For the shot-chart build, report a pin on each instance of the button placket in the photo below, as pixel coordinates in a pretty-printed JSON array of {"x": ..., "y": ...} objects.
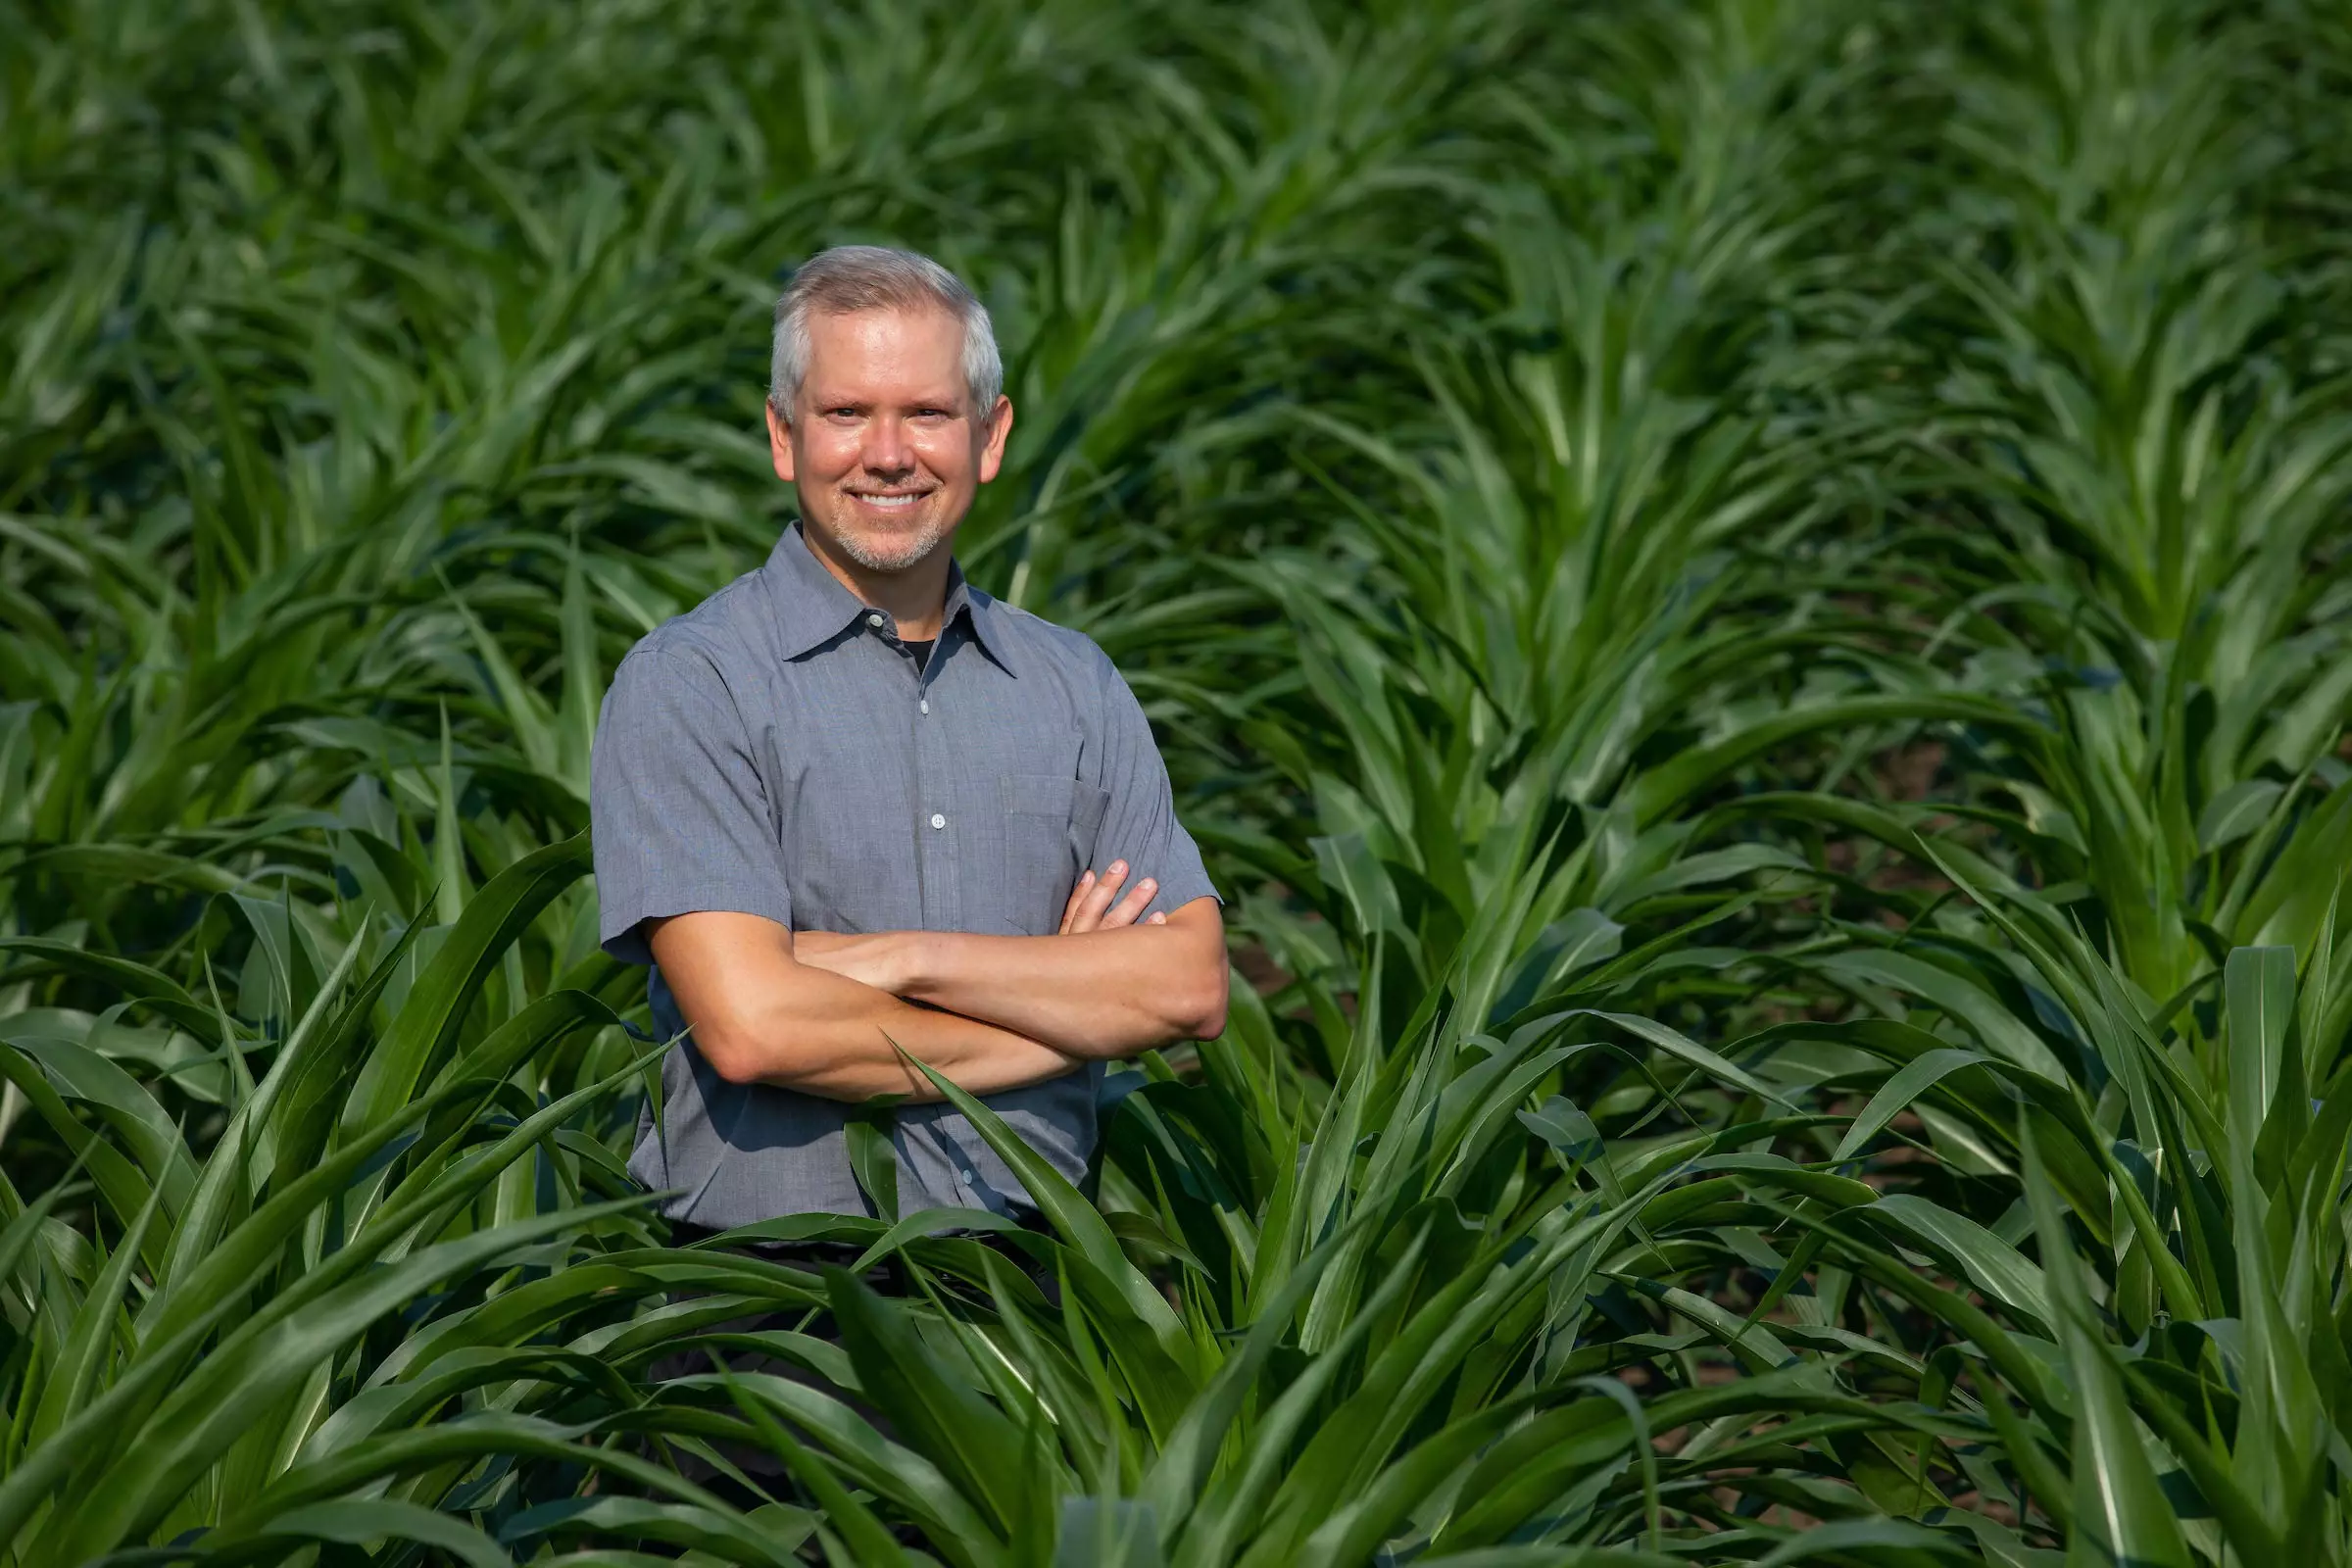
[{"x": 942, "y": 897}]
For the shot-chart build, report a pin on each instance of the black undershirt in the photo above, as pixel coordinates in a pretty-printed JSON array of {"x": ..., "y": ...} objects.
[{"x": 921, "y": 651}]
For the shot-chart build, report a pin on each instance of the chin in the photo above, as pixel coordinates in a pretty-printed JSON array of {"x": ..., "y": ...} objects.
[{"x": 890, "y": 549}]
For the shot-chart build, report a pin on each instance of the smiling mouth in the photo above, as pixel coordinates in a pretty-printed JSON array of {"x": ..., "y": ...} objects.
[{"x": 893, "y": 502}]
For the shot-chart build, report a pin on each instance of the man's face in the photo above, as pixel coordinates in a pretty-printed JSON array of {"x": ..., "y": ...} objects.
[{"x": 883, "y": 443}]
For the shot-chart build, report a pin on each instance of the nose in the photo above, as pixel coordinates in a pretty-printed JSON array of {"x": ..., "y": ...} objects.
[{"x": 888, "y": 453}]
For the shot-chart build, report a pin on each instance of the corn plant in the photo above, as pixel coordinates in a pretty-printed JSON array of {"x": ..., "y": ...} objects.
[{"x": 1748, "y": 600}]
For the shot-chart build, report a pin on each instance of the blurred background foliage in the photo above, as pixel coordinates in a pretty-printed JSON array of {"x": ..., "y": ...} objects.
[{"x": 1750, "y": 599}]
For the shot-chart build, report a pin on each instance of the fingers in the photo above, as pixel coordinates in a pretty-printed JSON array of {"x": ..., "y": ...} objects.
[
  {"x": 1131, "y": 908},
  {"x": 1077, "y": 897},
  {"x": 1093, "y": 896},
  {"x": 1091, "y": 909}
]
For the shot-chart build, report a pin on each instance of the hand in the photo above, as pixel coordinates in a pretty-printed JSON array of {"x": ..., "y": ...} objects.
[{"x": 1090, "y": 907}]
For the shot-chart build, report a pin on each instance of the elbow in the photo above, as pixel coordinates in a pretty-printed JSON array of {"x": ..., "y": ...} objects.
[
  {"x": 731, "y": 1051},
  {"x": 1202, "y": 1013},
  {"x": 736, "y": 1051}
]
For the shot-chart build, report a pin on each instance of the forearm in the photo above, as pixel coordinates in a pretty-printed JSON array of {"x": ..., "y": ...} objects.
[
  {"x": 1095, "y": 994},
  {"x": 759, "y": 1016},
  {"x": 833, "y": 1038}
]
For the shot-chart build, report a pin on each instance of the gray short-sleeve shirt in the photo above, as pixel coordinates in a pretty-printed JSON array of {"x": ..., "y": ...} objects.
[{"x": 777, "y": 751}]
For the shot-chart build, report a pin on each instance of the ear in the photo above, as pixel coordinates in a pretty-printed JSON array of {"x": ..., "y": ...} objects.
[
  {"x": 997, "y": 428},
  {"x": 779, "y": 442}
]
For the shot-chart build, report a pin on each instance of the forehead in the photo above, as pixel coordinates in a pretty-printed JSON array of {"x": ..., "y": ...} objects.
[{"x": 917, "y": 350}]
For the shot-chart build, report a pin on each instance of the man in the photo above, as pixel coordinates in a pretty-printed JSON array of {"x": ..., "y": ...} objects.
[{"x": 849, "y": 803}]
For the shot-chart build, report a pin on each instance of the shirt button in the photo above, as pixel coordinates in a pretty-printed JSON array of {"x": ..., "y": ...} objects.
[
  {"x": 924, "y": 705},
  {"x": 965, "y": 1177},
  {"x": 938, "y": 820},
  {"x": 873, "y": 621}
]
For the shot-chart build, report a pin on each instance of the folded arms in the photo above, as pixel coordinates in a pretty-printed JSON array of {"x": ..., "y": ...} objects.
[{"x": 825, "y": 1013}]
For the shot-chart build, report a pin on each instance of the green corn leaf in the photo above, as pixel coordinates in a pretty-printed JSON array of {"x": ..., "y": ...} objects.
[
  {"x": 874, "y": 1159},
  {"x": 1992, "y": 1264},
  {"x": 170, "y": 1335},
  {"x": 2235, "y": 812},
  {"x": 935, "y": 1413},
  {"x": 768, "y": 1536},
  {"x": 1106, "y": 1532},
  {"x": 1909, "y": 1082},
  {"x": 2258, "y": 989},
  {"x": 436, "y": 1005},
  {"x": 23, "y": 1232},
  {"x": 1071, "y": 1214},
  {"x": 150, "y": 987},
  {"x": 90, "y": 1341},
  {"x": 225, "y": 1167},
  {"x": 2119, "y": 1513},
  {"x": 481, "y": 1435},
  {"x": 119, "y": 1180},
  {"x": 1208, "y": 1535},
  {"x": 871, "y": 1542},
  {"x": 257, "y": 1368},
  {"x": 363, "y": 1521}
]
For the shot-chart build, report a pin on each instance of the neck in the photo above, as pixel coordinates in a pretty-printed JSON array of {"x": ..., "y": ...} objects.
[{"x": 914, "y": 599}]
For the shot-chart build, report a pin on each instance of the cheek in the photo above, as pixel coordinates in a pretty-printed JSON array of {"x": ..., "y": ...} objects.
[
  {"x": 948, "y": 459},
  {"x": 827, "y": 455},
  {"x": 836, "y": 455}
]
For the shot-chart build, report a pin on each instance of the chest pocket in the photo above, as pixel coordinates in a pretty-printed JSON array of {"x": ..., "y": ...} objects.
[{"x": 1050, "y": 824}]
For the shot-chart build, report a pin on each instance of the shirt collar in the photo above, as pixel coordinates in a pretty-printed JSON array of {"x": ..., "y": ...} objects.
[{"x": 813, "y": 608}]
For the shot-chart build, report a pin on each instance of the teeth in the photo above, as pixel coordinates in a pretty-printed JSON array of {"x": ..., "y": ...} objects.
[{"x": 889, "y": 501}]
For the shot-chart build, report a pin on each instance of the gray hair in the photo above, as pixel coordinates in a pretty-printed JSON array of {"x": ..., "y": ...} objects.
[{"x": 873, "y": 277}]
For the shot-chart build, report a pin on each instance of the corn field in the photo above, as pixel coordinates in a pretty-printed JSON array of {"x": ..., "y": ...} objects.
[{"x": 1751, "y": 601}]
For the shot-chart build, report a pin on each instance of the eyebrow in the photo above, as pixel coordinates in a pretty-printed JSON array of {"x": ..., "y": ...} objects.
[{"x": 948, "y": 405}]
